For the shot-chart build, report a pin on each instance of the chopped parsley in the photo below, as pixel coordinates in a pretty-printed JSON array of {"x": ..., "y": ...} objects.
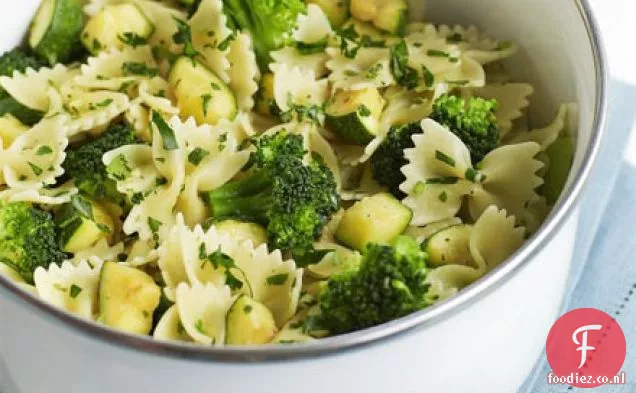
[
  {"x": 74, "y": 291},
  {"x": 436, "y": 53},
  {"x": 219, "y": 259},
  {"x": 248, "y": 308},
  {"x": 419, "y": 188},
  {"x": 132, "y": 39},
  {"x": 197, "y": 155},
  {"x": 454, "y": 38},
  {"x": 351, "y": 42},
  {"x": 404, "y": 74},
  {"x": 442, "y": 180},
  {"x": 429, "y": 78},
  {"x": 443, "y": 196},
  {"x": 167, "y": 133},
  {"x": 141, "y": 69},
  {"x": 44, "y": 150},
  {"x": 154, "y": 224},
  {"x": 474, "y": 176},
  {"x": 198, "y": 325},
  {"x": 183, "y": 36},
  {"x": 223, "y": 45},
  {"x": 101, "y": 104},
  {"x": 364, "y": 111},
  {"x": 82, "y": 206},
  {"x": 205, "y": 100},
  {"x": 36, "y": 169},
  {"x": 444, "y": 158},
  {"x": 310, "y": 48},
  {"x": 277, "y": 279},
  {"x": 118, "y": 168}
]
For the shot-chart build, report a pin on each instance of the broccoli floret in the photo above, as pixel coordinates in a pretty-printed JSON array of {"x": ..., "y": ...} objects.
[
  {"x": 293, "y": 200},
  {"x": 387, "y": 161},
  {"x": 27, "y": 239},
  {"x": 472, "y": 120},
  {"x": 269, "y": 21},
  {"x": 11, "y": 61},
  {"x": 84, "y": 163},
  {"x": 388, "y": 284}
]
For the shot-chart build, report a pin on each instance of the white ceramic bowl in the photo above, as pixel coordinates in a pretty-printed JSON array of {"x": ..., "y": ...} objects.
[{"x": 486, "y": 339}]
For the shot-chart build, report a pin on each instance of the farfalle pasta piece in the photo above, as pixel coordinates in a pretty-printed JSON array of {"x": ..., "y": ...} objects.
[
  {"x": 43, "y": 196},
  {"x": 420, "y": 234},
  {"x": 70, "y": 287},
  {"x": 509, "y": 180},
  {"x": 475, "y": 45},
  {"x": 512, "y": 100},
  {"x": 142, "y": 176},
  {"x": 313, "y": 29},
  {"x": 494, "y": 238},
  {"x": 365, "y": 186},
  {"x": 435, "y": 175},
  {"x": 108, "y": 70},
  {"x": 295, "y": 86},
  {"x": 35, "y": 157},
  {"x": 243, "y": 72},
  {"x": 404, "y": 106},
  {"x": 202, "y": 310},
  {"x": 30, "y": 88},
  {"x": 370, "y": 68},
  {"x": 170, "y": 328},
  {"x": 152, "y": 94},
  {"x": 138, "y": 116},
  {"x": 547, "y": 135},
  {"x": 99, "y": 253},
  {"x": 209, "y": 32},
  {"x": 92, "y": 109}
]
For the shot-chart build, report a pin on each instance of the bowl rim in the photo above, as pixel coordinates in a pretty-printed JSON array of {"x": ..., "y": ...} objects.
[{"x": 381, "y": 333}]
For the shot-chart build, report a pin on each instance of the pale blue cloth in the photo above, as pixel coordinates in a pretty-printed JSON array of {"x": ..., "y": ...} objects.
[{"x": 604, "y": 271}]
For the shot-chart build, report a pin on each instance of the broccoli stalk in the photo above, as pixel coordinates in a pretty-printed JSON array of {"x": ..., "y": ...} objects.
[
  {"x": 269, "y": 22},
  {"x": 27, "y": 239},
  {"x": 388, "y": 284},
  {"x": 388, "y": 159},
  {"x": 293, "y": 200},
  {"x": 472, "y": 120},
  {"x": 84, "y": 164}
]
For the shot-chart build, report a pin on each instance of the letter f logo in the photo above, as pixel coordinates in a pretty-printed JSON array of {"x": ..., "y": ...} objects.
[{"x": 583, "y": 344}]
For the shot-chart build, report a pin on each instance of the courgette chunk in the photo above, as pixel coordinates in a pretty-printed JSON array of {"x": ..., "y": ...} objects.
[
  {"x": 249, "y": 323},
  {"x": 387, "y": 15},
  {"x": 55, "y": 30},
  {"x": 10, "y": 129},
  {"x": 336, "y": 10},
  {"x": 115, "y": 27},
  {"x": 560, "y": 155},
  {"x": 378, "y": 219},
  {"x": 242, "y": 231},
  {"x": 127, "y": 298},
  {"x": 82, "y": 223},
  {"x": 450, "y": 246},
  {"x": 354, "y": 115},
  {"x": 201, "y": 93},
  {"x": 265, "y": 102}
]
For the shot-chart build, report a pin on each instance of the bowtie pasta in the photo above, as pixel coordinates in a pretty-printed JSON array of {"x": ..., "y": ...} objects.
[{"x": 241, "y": 173}]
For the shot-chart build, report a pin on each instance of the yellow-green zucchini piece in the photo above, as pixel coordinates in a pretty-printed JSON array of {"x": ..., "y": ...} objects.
[
  {"x": 387, "y": 15},
  {"x": 450, "y": 246},
  {"x": 127, "y": 298},
  {"x": 115, "y": 27},
  {"x": 82, "y": 223},
  {"x": 55, "y": 30},
  {"x": 241, "y": 231},
  {"x": 378, "y": 219},
  {"x": 354, "y": 114},
  {"x": 249, "y": 323},
  {"x": 337, "y": 11},
  {"x": 201, "y": 93}
]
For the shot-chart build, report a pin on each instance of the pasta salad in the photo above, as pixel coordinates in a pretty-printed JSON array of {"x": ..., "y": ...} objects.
[{"x": 245, "y": 172}]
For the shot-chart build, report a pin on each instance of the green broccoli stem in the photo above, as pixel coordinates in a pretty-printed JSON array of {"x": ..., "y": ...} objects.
[{"x": 248, "y": 198}]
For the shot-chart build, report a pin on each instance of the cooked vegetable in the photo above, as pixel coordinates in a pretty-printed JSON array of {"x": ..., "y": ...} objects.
[
  {"x": 354, "y": 115},
  {"x": 55, "y": 30},
  {"x": 11, "y": 61},
  {"x": 82, "y": 223},
  {"x": 242, "y": 231},
  {"x": 450, "y": 245},
  {"x": 560, "y": 155},
  {"x": 387, "y": 15},
  {"x": 201, "y": 93},
  {"x": 375, "y": 219},
  {"x": 10, "y": 128},
  {"x": 117, "y": 26},
  {"x": 127, "y": 298},
  {"x": 265, "y": 102},
  {"x": 388, "y": 159},
  {"x": 27, "y": 239},
  {"x": 472, "y": 120},
  {"x": 336, "y": 10},
  {"x": 270, "y": 23},
  {"x": 292, "y": 199},
  {"x": 249, "y": 323},
  {"x": 84, "y": 164},
  {"x": 390, "y": 283}
]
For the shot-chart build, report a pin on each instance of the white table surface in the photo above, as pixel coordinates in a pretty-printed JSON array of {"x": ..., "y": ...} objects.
[{"x": 616, "y": 18}]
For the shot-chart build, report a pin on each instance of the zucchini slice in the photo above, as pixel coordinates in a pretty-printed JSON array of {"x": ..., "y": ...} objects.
[
  {"x": 242, "y": 231},
  {"x": 249, "y": 323},
  {"x": 127, "y": 298},
  {"x": 387, "y": 15},
  {"x": 450, "y": 246},
  {"x": 354, "y": 115},
  {"x": 116, "y": 26},
  {"x": 201, "y": 93},
  {"x": 265, "y": 102},
  {"x": 377, "y": 219},
  {"x": 336, "y": 10},
  {"x": 10, "y": 129},
  {"x": 55, "y": 29},
  {"x": 560, "y": 157},
  {"x": 82, "y": 223}
]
